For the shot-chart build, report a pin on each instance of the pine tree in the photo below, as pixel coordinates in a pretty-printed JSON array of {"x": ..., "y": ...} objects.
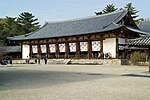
[
  {"x": 28, "y": 22},
  {"x": 109, "y": 8},
  {"x": 131, "y": 10}
]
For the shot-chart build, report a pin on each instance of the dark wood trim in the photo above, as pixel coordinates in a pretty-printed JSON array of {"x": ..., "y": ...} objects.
[
  {"x": 39, "y": 51},
  {"x": 117, "y": 48},
  {"x": 30, "y": 52},
  {"x": 89, "y": 48},
  {"x": 77, "y": 48},
  {"x": 101, "y": 46},
  {"x": 21, "y": 50},
  {"x": 66, "y": 49},
  {"x": 47, "y": 50},
  {"x": 57, "y": 49}
]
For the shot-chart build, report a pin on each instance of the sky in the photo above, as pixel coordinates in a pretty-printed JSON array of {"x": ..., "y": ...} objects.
[{"x": 53, "y": 10}]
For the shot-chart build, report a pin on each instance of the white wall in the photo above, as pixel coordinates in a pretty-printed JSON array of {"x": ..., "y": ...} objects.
[
  {"x": 109, "y": 45},
  {"x": 25, "y": 51}
]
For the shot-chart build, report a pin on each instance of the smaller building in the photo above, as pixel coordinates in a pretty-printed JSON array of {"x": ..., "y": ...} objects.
[
  {"x": 145, "y": 26},
  {"x": 143, "y": 41},
  {"x": 10, "y": 52}
]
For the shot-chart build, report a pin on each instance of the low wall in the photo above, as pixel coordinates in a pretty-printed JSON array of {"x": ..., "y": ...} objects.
[
  {"x": 22, "y": 61},
  {"x": 74, "y": 61}
]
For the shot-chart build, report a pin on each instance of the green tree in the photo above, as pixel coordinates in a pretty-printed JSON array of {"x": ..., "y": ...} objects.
[
  {"x": 137, "y": 57},
  {"x": 109, "y": 8},
  {"x": 98, "y": 13},
  {"x": 131, "y": 10},
  {"x": 9, "y": 27},
  {"x": 28, "y": 21}
]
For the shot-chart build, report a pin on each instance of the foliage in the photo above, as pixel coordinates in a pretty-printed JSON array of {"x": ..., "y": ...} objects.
[
  {"x": 137, "y": 22},
  {"x": 10, "y": 26},
  {"x": 2, "y": 55},
  {"x": 131, "y": 10},
  {"x": 109, "y": 8},
  {"x": 98, "y": 13},
  {"x": 137, "y": 57},
  {"x": 28, "y": 22}
]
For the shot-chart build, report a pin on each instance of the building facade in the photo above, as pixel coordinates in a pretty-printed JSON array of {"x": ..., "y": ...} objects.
[{"x": 84, "y": 38}]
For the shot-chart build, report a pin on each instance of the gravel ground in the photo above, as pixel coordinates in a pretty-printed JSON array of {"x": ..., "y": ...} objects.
[{"x": 74, "y": 82}]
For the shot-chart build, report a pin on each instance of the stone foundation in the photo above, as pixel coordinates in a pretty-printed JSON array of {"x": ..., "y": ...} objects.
[{"x": 74, "y": 61}]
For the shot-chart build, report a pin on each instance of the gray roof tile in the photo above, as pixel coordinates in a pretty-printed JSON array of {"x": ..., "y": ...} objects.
[
  {"x": 145, "y": 25},
  {"x": 8, "y": 49},
  {"x": 89, "y": 25},
  {"x": 144, "y": 40}
]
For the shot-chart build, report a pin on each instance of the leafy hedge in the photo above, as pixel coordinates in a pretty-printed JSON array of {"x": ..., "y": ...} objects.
[{"x": 137, "y": 57}]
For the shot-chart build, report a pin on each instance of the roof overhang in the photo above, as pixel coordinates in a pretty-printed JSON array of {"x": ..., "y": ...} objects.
[{"x": 137, "y": 31}]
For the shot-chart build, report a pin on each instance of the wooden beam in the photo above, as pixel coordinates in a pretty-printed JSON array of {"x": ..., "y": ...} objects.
[
  {"x": 47, "y": 50},
  {"x": 57, "y": 49},
  {"x": 77, "y": 48},
  {"x": 21, "y": 49},
  {"x": 39, "y": 51},
  {"x": 148, "y": 60},
  {"x": 117, "y": 45},
  {"x": 149, "y": 65},
  {"x": 89, "y": 48},
  {"x": 66, "y": 49},
  {"x": 30, "y": 52},
  {"x": 101, "y": 43}
]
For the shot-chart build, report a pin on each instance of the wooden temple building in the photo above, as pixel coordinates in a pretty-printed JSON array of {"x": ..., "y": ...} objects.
[
  {"x": 142, "y": 43},
  {"x": 82, "y": 38}
]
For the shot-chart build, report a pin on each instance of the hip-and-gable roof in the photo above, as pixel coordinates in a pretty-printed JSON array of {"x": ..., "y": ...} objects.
[{"x": 81, "y": 26}]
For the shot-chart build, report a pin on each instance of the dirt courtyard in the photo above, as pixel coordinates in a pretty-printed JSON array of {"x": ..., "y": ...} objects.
[{"x": 74, "y": 82}]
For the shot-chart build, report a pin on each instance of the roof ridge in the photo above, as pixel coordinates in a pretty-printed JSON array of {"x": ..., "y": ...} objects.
[
  {"x": 89, "y": 17},
  {"x": 113, "y": 22}
]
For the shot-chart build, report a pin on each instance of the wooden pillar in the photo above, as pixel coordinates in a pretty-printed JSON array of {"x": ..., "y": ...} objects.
[
  {"x": 21, "y": 50},
  {"x": 101, "y": 45},
  {"x": 77, "y": 49},
  {"x": 125, "y": 49},
  {"x": 149, "y": 65},
  {"x": 149, "y": 60},
  {"x": 89, "y": 48},
  {"x": 117, "y": 48},
  {"x": 66, "y": 49},
  {"x": 117, "y": 45},
  {"x": 30, "y": 54},
  {"x": 47, "y": 50},
  {"x": 30, "y": 50},
  {"x": 39, "y": 51},
  {"x": 57, "y": 49}
]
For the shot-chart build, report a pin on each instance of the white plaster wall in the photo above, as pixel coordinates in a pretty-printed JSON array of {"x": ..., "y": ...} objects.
[
  {"x": 109, "y": 45},
  {"x": 25, "y": 51}
]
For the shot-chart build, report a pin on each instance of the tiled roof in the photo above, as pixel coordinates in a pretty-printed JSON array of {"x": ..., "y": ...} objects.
[
  {"x": 81, "y": 26},
  {"x": 145, "y": 40},
  {"x": 9, "y": 49},
  {"x": 138, "y": 30},
  {"x": 145, "y": 25}
]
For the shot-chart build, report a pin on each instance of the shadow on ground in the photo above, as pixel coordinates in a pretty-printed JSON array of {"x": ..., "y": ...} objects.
[
  {"x": 137, "y": 75},
  {"x": 23, "y": 79}
]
